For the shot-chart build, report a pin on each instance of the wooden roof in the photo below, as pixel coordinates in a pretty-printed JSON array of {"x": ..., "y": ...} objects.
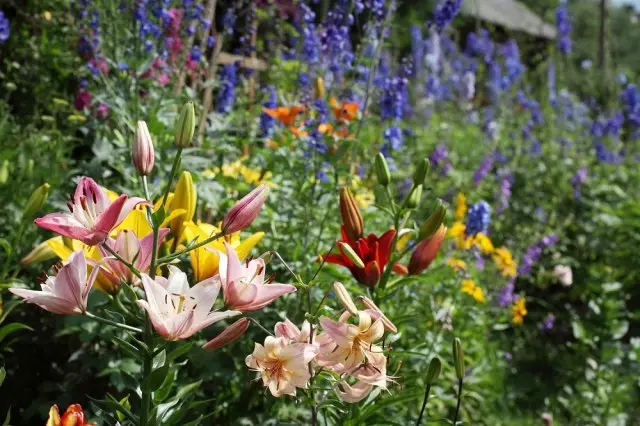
[{"x": 510, "y": 14}]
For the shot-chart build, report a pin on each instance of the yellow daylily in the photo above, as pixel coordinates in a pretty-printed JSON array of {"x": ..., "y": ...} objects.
[
  {"x": 504, "y": 262},
  {"x": 461, "y": 206},
  {"x": 519, "y": 311},
  {"x": 204, "y": 262},
  {"x": 483, "y": 243},
  {"x": 472, "y": 289}
]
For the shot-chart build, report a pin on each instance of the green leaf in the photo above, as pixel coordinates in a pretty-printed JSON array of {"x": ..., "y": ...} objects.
[
  {"x": 8, "y": 307},
  {"x": 128, "y": 348},
  {"x": 110, "y": 405},
  {"x": 159, "y": 359},
  {"x": 155, "y": 379},
  {"x": 126, "y": 404},
  {"x": 163, "y": 392},
  {"x": 8, "y": 418},
  {"x": 3, "y": 374},
  {"x": 12, "y": 328},
  {"x": 181, "y": 350},
  {"x": 578, "y": 330},
  {"x": 4, "y": 244},
  {"x": 188, "y": 389}
]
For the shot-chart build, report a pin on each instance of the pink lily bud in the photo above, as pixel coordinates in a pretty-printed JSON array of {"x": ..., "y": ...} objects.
[
  {"x": 228, "y": 335},
  {"x": 245, "y": 211},
  {"x": 142, "y": 153},
  {"x": 426, "y": 251}
]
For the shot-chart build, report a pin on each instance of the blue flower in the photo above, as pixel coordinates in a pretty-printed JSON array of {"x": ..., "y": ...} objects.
[
  {"x": 196, "y": 54},
  {"x": 563, "y": 24},
  {"x": 227, "y": 90},
  {"x": 478, "y": 218},
  {"x": 266, "y": 121},
  {"x": 445, "y": 11}
]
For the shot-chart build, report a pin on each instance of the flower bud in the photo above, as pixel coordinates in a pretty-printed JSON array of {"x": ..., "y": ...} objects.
[
  {"x": 142, "y": 154},
  {"x": 426, "y": 251},
  {"x": 382, "y": 170},
  {"x": 351, "y": 254},
  {"x": 36, "y": 201},
  {"x": 184, "y": 198},
  {"x": 319, "y": 88},
  {"x": 228, "y": 335},
  {"x": 345, "y": 298},
  {"x": 4, "y": 172},
  {"x": 29, "y": 168},
  {"x": 245, "y": 211},
  {"x": 376, "y": 313},
  {"x": 414, "y": 197},
  {"x": 186, "y": 125},
  {"x": 41, "y": 253},
  {"x": 458, "y": 358},
  {"x": 435, "y": 366},
  {"x": 420, "y": 173},
  {"x": 351, "y": 217},
  {"x": 433, "y": 222}
]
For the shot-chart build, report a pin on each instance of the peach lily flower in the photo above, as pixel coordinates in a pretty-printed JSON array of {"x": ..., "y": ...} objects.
[
  {"x": 244, "y": 286},
  {"x": 67, "y": 292},
  {"x": 177, "y": 311},
  {"x": 91, "y": 215},
  {"x": 283, "y": 366}
]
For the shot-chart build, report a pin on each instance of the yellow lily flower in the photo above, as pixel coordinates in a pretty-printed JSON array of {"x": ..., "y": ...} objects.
[
  {"x": 184, "y": 198},
  {"x": 137, "y": 222},
  {"x": 204, "y": 262}
]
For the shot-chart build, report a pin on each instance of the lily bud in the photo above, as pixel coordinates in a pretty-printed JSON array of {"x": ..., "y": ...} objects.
[
  {"x": 245, "y": 211},
  {"x": 351, "y": 217},
  {"x": 228, "y": 335},
  {"x": 426, "y": 251},
  {"x": 345, "y": 298},
  {"x": 414, "y": 197},
  {"x": 40, "y": 253},
  {"x": 29, "y": 168},
  {"x": 372, "y": 274},
  {"x": 458, "y": 358},
  {"x": 351, "y": 254},
  {"x": 435, "y": 366},
  {"x": 382, "y": 170},
  {"x": 142, "y": 154},
  {"x": 420, "y": 173},
  {"x": 378, "y": 314},
  {"x": 186, "y": 125},
  {"x": 36, "y": 201},
  {"x": 319, "y": 88},
  {"x": 434, "y": 221}
]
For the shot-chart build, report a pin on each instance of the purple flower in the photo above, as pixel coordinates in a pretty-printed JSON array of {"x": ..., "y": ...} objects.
[
  {"x": 506, "y": 295},
  {"x": 485, "y": 167},
  {"x": 266, "y": 121},
  {"x": 563, "y": 24},
  {"x": 533, "y": 254},
  {"x": 227, "y": 90},
  {"x": 478, "y": 218},
  {"x": 548, "y": 322},
  {"x": 506, "y": 182},
  {"x": 577, "y": 181},
  {"x": 445, "y": 11}
]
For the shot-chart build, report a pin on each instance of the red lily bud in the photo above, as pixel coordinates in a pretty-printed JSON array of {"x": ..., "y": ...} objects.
[
  {"x": 142, "y": 153},
  {"x": 372, "y": 274},
  {"x": 228, "y": 335},
  {"x": 351, "y": 217},
  {"x": 426, "y": 251},
  {"x": 245, "y": 211}
]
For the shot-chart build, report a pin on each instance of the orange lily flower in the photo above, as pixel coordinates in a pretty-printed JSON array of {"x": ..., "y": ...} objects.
[
  {"x": 347, "y": 111},
  {"x": 74, "y": 416},
  {"x": 286, "y": 115}
]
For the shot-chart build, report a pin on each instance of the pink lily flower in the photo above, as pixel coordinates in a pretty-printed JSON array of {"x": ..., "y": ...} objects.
[
  {"x": 133, "y": 250},
  {"x": 91, "y": 214},
  {"x": 66, "y": 293},
  {"x": 244, "y": 286},
  {"x": 178, "y": 311}
]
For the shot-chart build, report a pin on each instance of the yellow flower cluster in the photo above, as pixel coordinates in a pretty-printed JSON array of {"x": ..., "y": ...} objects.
[
  {"x": 239, "y": 171},
  {"x": 502, "y": 257},
  {"x": 473, "y": 290},
  {"x": 364, "y": 196},
  {"x": 519, "y": 311},
  {"x": 457, "y": 264}
]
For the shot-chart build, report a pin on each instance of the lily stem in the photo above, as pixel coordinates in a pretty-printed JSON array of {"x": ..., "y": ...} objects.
[
  {"x": 170, "y": 257},
  {"x": 455, "y": 418},
  {"x": 424, "y": 404},
  {"x": 113, "y": 323},
  {"x": 121, "y": 259}
]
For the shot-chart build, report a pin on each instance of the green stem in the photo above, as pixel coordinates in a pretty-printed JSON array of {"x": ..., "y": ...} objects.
[
  {"x": 455, "y": 418},
  {"x": 255, "y": 321},
  {"x": 170, "y": 257},
  {"x": 121, "y": 259},
  {"x": 147, "y": 367},
  {"x": 174, "y": 169},
  {"x": 113, "y": 323},
  {"x": 14, "y": 244},
  {"x": 424, "y": 404}
]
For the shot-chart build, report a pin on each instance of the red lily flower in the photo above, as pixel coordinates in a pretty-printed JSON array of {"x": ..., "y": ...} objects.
[{"x": 374, "y": 252}]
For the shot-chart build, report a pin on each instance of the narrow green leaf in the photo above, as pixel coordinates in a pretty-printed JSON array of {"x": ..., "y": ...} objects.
[
  {"x": 3, "y": 374},
  {"x": 8, "y": 418},
  {"x": 163, "y": 392},
  {"x": 115, "y": 406},
  {"x": 181, "y": 350},
  {"x": 128, "y": 348},
  {"x": 12, "y": 328}
]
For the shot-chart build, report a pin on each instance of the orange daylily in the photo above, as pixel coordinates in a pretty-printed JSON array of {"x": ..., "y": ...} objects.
[
  {"x": 347, "y": 111},
  {"x": 286, "y": 115}
]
